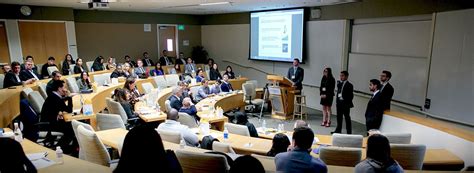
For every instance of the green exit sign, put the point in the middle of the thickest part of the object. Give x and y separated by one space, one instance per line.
181 27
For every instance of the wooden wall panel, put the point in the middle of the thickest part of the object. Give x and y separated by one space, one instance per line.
55 39
4 52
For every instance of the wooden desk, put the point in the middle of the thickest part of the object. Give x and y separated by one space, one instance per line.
226 102
154 116
71 164
236 83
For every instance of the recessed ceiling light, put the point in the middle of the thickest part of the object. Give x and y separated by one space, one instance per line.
214 3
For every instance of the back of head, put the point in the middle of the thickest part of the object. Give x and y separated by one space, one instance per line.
172 115
142 151
378 148
303 137
241 118
13 158
280 144
300 123
247 163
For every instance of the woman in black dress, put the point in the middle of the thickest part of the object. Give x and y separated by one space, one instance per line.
327 94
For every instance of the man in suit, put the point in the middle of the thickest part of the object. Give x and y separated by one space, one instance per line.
147 62
299 159
12 78
226 86
49 86
53 111
29 73
387 89
296 74
141 71
190 67
374 111
175 99
345 94
180 59
165 60
129 61
29 58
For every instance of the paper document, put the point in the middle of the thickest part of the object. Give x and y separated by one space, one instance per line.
39 160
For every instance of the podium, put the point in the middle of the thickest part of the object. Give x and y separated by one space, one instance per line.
281 95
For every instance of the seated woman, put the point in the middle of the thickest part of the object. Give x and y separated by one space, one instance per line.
144 141
242 120
98 64
128 70
199 75
189 108
175 70
78 68
280 144
122 96
131 87
84 82
229 72
378 157
67 61
158 71
118 72
214 73
111 63
13 157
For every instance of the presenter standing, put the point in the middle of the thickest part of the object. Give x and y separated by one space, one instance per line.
345 94
326 91
296 74
387 89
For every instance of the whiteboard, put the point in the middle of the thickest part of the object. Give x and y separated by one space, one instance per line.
451 79
408 75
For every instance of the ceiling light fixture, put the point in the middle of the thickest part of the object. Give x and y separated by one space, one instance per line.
214 3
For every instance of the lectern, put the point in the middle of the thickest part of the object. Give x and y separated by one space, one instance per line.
281 95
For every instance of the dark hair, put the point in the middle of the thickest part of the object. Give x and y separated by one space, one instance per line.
378 148
229 67
14 63
376 82
82 77
161 68
247 163
57 84
242 119
120 95
28 57
98 59
280 144
303 137
54 73
197 72
164 50
210 59
144 53
345 73
125 57
140 141
329 71
51 58
388 73
297 60
13 157
129 81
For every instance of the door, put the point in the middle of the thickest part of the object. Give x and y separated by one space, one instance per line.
167 39
4 52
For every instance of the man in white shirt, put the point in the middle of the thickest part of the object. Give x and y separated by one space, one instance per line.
29 73
171 124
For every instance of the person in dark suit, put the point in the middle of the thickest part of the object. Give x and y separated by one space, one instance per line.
129 61
68 60
229 72
175 99
147 62
78 68
49 86
53 111
98 64
12 78
214 73
44 69
29 73
30 58
374 111
326 91
345 94
296 74
386 90
180 60
165 60
226 86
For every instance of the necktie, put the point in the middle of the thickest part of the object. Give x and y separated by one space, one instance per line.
167 61
17 78
36 77
147 62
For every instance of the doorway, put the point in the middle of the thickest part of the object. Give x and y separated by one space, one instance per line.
167 40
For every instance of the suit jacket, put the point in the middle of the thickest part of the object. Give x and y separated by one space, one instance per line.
226 87
25 75
347 94
52 106
146 64
299 160
163 61
116 74
175 102
141 72
96 66
134 64
328 84
202 93
387 94
299 75
374 111
214 75
231 74
11 80
189 68
78 70
180 61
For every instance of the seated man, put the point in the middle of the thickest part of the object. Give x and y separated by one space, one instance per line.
140 71
53 111
175 99
299 158
118 72
216 87
189 108
56 76
226 86
29 73
12 78
44 69
171 124
204 91
6 68
300 123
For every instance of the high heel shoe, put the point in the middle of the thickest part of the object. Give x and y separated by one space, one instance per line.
323 123
328 124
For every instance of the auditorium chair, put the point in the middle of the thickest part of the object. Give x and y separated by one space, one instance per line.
170 136
187 120
194 162
409 156
109 121
340 156
93 149
346 140
237 129
222 147
75 124
398 138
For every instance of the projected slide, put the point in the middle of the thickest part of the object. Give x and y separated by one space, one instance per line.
276 35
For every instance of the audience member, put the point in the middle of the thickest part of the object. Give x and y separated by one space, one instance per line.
12 78
180 60
98 64
280 144
189 108
300 123
118 72
129 61
68 60
243 120
44 69
216 87
204 91
378 157
30 58
122 96
299 158
226 86
130 86
229 72
190 67
214 73
79 68
110 63
247 164
175 98
158 71
171 124
56 76
84 82
199 75
29 73
13 158
147 62
128 71
165 60
6 68
140 71
209 64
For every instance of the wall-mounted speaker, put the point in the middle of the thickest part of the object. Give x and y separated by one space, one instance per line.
315 13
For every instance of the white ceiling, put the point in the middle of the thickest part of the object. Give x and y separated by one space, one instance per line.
184 6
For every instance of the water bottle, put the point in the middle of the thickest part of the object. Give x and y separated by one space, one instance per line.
182 144
264 126
59 155
226 134
18 134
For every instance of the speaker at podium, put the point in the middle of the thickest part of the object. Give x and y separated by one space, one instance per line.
281 95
